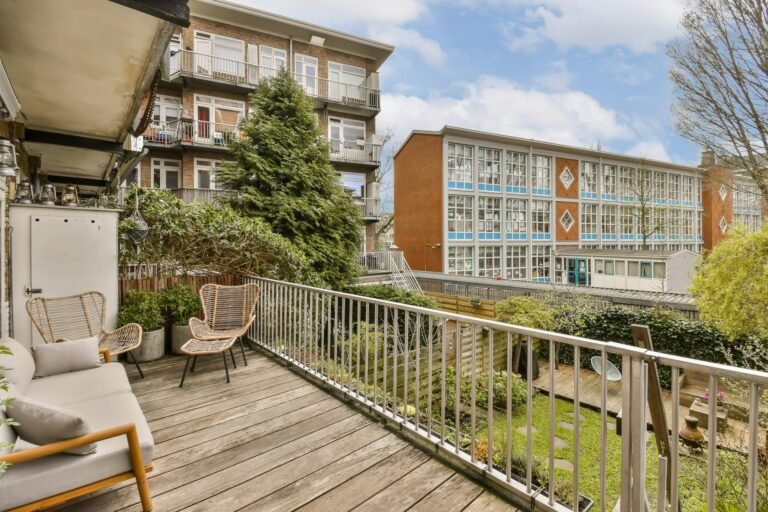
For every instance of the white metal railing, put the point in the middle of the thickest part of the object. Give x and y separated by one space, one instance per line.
355 151
375 261
446 380
243 73
402 275
199 195
369 207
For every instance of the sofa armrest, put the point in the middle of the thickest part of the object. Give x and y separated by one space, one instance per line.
104 352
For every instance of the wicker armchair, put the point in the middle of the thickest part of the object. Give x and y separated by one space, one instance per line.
81 316
228 313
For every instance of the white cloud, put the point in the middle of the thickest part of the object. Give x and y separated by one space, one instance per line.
640 26
501 106
652 149
429 49
557 79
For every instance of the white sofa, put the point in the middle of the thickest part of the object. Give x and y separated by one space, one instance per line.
103 397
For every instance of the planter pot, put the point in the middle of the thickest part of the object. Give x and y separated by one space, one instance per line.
180 334
152 346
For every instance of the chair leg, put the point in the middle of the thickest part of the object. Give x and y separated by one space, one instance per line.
234 364
226 367
242 349
194 362
132 358
186 365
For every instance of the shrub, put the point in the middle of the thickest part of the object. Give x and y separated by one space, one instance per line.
519 390
526 312
180 303
142 308
4 400
392 294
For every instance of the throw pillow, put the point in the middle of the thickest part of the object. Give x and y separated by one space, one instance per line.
40 424
66 356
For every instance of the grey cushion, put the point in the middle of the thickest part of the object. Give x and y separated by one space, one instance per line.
66 356
79 386
21 364
40 424
7 434
60 473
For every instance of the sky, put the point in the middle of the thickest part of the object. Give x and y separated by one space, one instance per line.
590 73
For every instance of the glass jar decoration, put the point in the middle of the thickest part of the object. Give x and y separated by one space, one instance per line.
24 193
69 196
8 163
47 195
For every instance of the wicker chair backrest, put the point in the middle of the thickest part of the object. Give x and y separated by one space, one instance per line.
68 318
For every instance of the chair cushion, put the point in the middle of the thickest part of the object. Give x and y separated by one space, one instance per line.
45 477
40 423
67 388
66 356
20 363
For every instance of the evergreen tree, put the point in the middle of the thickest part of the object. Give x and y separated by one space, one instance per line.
283 173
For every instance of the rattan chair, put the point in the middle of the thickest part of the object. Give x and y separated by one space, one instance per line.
228 312
82 316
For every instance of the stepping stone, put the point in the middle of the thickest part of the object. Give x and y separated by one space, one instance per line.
581 416
524 430
564 464
565 425
560 443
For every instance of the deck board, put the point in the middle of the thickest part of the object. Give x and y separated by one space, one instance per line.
271 440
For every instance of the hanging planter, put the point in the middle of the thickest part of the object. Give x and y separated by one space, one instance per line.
139 228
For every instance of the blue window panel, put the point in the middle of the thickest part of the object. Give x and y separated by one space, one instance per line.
609 197
588 236
489 236
698 204
674 202
674 237
540 280
516 190
541 236
451 236
627 237
688 237
467 186
640 237
453 184
660 201
589 195
627 199
488 188
659 237
687 203
700 237
609 237
517 236
542 191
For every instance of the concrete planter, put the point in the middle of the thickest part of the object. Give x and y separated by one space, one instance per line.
180 334
152 346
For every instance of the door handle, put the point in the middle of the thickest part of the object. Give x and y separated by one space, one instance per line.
29 291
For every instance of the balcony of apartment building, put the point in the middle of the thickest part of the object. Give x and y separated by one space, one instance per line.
344 89
191 132
362 152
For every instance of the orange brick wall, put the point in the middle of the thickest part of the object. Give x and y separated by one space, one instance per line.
561 234
571 192
419 201
714 206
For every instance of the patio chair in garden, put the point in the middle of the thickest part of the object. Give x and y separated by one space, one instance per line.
82 316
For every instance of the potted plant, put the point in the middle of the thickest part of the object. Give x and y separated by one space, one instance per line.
144 309
180 303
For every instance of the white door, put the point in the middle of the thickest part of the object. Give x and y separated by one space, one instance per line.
203 53
253 64
175 54
306 73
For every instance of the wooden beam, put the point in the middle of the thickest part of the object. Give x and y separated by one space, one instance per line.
75 141
174 11
72 180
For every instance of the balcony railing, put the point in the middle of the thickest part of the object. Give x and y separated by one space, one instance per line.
192 132
243 73
354 151
199 195
446 381
369 208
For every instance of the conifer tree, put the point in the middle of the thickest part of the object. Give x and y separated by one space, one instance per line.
283 174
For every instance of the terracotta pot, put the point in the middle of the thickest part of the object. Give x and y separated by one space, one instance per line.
690 433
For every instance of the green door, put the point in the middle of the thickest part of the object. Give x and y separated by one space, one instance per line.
578 273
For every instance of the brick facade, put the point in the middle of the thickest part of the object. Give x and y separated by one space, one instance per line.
715 206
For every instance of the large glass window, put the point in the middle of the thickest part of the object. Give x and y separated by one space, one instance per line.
271 60
517 262
516 172
687 227
541 175
460 162
589 180
167 110
541 213
660 189
610 177
460 260
354 183
516 219
219 55
345 81
305 73
627 222
489 261
489 170
608 222
460 217
205 173
674 189
687 190
216 120
489 218
645 186
674 223
588 221
627 183
166 173
541 263
346 138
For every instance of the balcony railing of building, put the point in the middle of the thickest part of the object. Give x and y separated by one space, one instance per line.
357 151
369 207
245 74
207 133
446 381
394 263
188 195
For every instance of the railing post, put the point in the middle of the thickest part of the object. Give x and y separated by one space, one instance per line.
633 430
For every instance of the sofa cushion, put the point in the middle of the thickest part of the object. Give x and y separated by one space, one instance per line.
20 363
34 480
68 388
66 356
40 423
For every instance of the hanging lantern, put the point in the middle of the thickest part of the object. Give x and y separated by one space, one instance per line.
7 158
47 195
139 229
69 196
24 193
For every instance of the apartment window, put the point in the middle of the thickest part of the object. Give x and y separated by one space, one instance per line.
271 60
610 177
460 217
588 222
701 225
608 222
660 223
489 170
674 223
460 163
660 187
541 263
354 183
687 227
460 261
610 267
541 175
219 55
488 218
305 73
167 110
347 138
489 261
205 173
627 184
627 222
699 191
345 81
645 186
541 214
687 190
174 52
216 120
517 262
517 219
674 189
166 173
517 172
589 180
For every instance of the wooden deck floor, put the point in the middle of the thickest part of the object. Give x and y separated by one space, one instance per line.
271 440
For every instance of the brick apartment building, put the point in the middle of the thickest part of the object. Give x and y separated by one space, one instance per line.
213 65
488 205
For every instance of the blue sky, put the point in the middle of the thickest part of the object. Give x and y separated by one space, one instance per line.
581 72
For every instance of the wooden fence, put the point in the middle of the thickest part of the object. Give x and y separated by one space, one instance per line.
158 284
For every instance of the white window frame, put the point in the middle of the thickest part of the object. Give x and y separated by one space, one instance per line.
489 215
541 217
219 64
308 83
346 81
463 214
488 167
211 168
271 60
541 262
517 262
463 254
588 178
462 169
609 184
214 103
162 103
161 165
489 262
541 174
516 213
516 172
588 218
